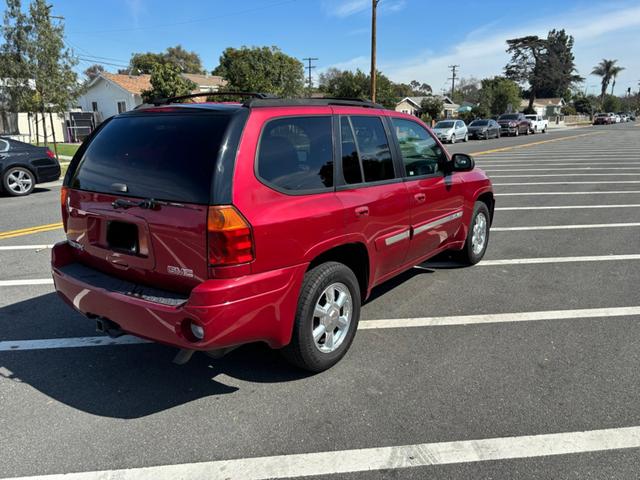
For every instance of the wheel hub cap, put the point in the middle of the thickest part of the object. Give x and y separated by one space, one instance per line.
19 181
332 317
479 234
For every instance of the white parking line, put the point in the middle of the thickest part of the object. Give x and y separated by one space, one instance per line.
619 174
25 247
557 169
568 207
565 183
33 281
564 227
609 192
104 341
338 462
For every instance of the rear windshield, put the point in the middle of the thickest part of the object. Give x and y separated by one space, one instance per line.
447 124
164 156
479 123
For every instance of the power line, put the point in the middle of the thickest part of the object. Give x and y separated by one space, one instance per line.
453 78
309 68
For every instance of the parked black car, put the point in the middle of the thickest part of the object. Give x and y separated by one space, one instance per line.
23 165
484 128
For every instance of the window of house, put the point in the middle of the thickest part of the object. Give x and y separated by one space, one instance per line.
421 154
122 107
94 106
373 148
297 153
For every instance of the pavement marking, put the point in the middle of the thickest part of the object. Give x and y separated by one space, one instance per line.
339 462
556 169
567 207
104 341
74 342
513 147
564 227
617 174
25 247
609 192
33 281
564 183
30 230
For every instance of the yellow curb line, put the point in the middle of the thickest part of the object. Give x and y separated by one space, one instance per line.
513 147
30 230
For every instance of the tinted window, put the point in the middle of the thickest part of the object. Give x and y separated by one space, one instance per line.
447 124
479 123
163 156
297 153
421 154
351 168
374 148
509 117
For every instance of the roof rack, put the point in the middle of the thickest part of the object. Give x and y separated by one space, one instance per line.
322 101
165 101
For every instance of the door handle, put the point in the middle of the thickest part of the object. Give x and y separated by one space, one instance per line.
362 211
420 197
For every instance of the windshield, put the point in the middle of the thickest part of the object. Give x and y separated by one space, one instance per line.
479 123
163 156
447 124
510 116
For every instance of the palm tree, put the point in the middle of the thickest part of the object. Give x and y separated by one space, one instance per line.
608 70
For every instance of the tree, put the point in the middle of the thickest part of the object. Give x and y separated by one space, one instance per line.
431 107
611 103
525 64
585 104
420 88
468 90
185 61
166 81
497 94
344 83
608 70
93 71
261 69
557 71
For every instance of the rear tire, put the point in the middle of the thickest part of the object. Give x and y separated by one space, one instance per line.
326 319
18 181
477 240
517 133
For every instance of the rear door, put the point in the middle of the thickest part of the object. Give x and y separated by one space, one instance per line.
138 198
436 198
376 201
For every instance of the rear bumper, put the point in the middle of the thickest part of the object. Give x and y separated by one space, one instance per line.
49 173
258 307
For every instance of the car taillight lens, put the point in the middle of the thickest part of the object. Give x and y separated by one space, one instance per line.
50 154
230 237
64 206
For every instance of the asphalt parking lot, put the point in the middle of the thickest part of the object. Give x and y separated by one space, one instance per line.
510 359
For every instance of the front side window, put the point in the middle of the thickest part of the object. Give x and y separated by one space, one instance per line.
296 153
421 154
373 148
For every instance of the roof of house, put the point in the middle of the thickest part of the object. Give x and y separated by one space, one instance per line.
206 80
544 102
417 101
136 84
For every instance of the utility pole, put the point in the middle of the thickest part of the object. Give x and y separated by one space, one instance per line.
453 78
374 5
309 68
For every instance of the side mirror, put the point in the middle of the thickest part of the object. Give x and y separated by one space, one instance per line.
461 162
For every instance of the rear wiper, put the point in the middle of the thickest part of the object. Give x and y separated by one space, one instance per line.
147 203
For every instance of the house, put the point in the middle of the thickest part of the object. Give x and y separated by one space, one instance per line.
109 94
547 107
411 105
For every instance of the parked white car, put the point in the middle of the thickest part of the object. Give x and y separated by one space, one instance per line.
538 123
451 131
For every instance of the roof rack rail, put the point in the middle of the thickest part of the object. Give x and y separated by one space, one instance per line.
321 101
165 101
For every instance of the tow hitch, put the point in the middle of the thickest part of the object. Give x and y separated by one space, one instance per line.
104 325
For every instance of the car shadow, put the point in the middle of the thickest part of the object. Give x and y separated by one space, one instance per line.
35 191
121 381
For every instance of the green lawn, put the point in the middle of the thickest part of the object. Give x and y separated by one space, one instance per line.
65 148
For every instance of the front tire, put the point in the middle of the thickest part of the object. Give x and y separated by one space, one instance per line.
477 240
326 319
466 137
18 181
453 139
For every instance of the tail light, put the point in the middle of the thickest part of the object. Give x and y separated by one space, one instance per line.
64 206
229 236
50 154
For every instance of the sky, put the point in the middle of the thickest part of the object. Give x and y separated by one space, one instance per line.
417 39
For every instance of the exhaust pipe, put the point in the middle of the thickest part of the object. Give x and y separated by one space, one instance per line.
104 325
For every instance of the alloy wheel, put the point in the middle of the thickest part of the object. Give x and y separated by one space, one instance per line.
332 317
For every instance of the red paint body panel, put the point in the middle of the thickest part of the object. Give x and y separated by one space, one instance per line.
257 301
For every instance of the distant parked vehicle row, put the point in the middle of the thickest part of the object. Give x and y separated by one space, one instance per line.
484 129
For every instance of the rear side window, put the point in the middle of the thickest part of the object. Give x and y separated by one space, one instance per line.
164 156
373 148
296 153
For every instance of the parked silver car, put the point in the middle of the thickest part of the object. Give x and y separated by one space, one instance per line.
451 131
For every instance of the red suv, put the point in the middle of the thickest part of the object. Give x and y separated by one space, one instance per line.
210 225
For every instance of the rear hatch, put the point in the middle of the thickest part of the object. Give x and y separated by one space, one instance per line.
137 197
